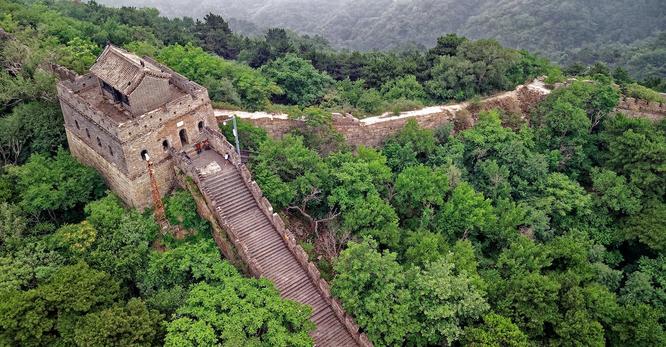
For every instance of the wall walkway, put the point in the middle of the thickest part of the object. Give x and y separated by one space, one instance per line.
262 242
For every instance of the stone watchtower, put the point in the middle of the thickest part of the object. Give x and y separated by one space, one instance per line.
129 109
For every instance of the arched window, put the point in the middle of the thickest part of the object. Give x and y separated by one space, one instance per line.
183 137
87 133
200 125
99 143
144 155
77 124
111 151
165 145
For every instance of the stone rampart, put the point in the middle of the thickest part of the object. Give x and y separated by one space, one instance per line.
641 108
373 131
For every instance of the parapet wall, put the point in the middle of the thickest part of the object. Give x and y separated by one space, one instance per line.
373 131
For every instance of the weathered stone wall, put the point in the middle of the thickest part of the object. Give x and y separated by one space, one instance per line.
114 147
375 134
375 130
153 138
94 136
641 108
134 192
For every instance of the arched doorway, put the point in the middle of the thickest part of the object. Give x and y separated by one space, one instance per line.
183 137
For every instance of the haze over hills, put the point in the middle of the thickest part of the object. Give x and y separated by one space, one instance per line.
619 32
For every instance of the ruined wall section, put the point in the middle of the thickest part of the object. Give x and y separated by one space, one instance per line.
155 131
374 131
655 111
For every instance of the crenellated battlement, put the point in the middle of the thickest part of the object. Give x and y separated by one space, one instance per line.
128 109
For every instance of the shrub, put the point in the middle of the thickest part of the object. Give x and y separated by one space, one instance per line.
402 105
637 91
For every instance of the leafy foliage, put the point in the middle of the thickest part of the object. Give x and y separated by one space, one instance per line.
239 312
51 186
301 82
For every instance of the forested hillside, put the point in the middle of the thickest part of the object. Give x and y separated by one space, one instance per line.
494 230
619 32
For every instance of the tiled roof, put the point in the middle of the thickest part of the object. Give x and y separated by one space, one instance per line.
123 70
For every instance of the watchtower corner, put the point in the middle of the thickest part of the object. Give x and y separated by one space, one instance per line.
126 110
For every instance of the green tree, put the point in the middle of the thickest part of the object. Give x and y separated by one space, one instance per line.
55 185
79 55
371 287
640 325
418 188
132 324
445 300
181 210
302 83
447 45
495 331
422 247
168 276
216 36
646 285
565 201
412 144
75 239
49 312
647 226
406 87
287 171
239 311
124 237
33 127
254 89
613 193
371 101
565 120
250 136
465 214
355 192
635 149
520 291
278 41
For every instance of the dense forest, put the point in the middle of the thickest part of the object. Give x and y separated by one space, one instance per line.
619 32
512 232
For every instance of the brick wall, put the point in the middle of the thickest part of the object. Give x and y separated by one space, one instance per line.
135 192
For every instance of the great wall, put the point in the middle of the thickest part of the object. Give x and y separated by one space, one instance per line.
147 129
373 131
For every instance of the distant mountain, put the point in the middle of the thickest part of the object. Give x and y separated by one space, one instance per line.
564 30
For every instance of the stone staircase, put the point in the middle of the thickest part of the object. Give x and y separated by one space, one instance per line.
263 243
